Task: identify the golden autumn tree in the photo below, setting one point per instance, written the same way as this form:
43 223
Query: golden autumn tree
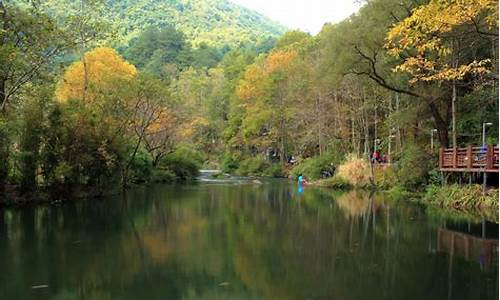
444 41
102 99
105 73
434 40
265 96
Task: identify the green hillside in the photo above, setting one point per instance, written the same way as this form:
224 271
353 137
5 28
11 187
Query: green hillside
214 22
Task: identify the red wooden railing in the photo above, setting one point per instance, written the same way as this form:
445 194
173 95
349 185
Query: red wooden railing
470 159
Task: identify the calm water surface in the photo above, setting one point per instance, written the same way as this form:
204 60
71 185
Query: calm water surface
244 241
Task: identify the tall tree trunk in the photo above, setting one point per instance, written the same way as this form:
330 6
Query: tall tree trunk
454 114
319 124
399 142
416 131
353 135
282 127
375 133
3 96
441 125
336 114
454 64
494 44
365 127
282 142
85 78
83 48
4 139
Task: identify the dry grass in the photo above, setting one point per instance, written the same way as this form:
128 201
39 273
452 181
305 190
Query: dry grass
355 170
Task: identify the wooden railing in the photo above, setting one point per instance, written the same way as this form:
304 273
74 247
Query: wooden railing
470 159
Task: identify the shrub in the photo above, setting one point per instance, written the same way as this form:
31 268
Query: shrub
190 153
229 163
184 163
62 171
314 167
459 196
397 193
274 170
435 177
356 171
141 167
413 167
163 175
384 176
335 182
252 166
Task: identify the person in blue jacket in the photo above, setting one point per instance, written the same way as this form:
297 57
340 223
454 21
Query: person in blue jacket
301 180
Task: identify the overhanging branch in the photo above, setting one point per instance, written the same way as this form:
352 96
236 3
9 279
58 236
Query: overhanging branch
375 76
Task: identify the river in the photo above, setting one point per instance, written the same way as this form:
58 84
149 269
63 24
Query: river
244 240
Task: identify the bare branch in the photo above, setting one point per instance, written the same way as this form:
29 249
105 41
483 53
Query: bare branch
373 74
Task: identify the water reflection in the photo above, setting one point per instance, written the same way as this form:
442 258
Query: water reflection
268 241
481 250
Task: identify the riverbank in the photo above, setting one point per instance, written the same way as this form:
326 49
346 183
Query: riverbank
466 200
410 180
463 203
14 196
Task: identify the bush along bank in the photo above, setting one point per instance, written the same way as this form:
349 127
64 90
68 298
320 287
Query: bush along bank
251 166
468 197
411 177
181 165
353 173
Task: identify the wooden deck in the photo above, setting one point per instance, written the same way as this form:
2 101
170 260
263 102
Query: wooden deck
470 159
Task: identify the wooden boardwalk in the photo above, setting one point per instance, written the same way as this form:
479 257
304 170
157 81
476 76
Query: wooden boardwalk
470 159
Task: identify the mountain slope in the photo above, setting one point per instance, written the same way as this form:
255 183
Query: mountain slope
214 22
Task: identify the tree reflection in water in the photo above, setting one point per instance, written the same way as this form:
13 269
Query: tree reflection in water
236 242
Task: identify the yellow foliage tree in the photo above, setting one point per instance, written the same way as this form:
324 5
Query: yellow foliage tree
264 94
427 40
102 71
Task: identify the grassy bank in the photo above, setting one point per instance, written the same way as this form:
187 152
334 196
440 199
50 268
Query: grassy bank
462 197
409 180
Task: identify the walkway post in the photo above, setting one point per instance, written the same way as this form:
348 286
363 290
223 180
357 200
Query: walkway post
389 158
483 145
484 132
432 139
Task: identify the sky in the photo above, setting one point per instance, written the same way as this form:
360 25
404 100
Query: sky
306 15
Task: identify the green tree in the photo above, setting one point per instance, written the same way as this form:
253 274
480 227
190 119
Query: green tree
31 137
157 49
29 41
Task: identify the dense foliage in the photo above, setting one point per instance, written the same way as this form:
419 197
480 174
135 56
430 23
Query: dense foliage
216 23
459 197
95 93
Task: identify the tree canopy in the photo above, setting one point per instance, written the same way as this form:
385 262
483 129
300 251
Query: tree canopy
104 92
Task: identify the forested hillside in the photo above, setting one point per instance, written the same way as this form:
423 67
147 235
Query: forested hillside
396 77
214 22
